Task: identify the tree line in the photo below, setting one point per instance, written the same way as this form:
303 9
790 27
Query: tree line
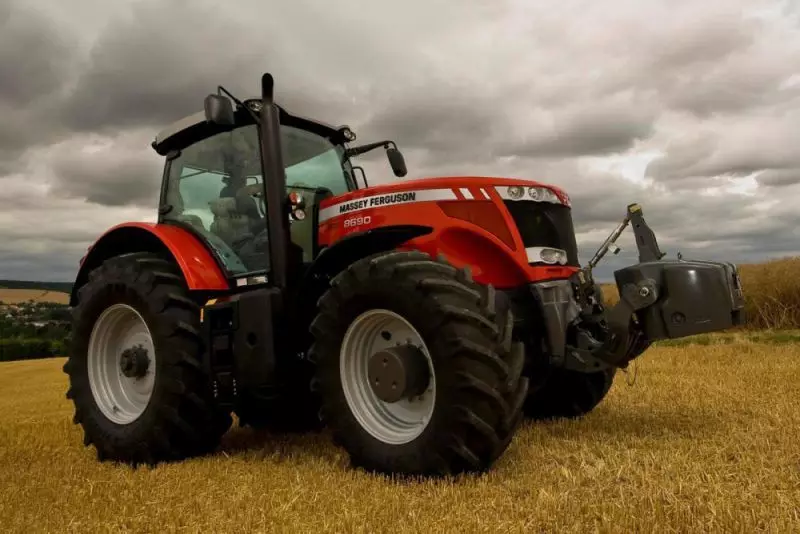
33 330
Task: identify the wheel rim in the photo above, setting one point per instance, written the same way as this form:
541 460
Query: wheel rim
392 423
121 398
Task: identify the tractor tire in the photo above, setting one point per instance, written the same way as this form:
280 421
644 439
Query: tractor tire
141 407
562 393
568 394
468 401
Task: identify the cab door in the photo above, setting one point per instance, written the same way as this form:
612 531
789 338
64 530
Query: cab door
215 191
209 186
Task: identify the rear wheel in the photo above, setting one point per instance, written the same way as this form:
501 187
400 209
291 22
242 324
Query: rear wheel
135 378
416 370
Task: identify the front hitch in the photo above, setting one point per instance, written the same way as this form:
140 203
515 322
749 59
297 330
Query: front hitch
661 299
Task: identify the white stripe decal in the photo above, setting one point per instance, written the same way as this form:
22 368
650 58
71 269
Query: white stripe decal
467 193
394 198
484 193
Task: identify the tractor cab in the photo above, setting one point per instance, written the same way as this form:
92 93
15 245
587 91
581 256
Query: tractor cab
214 183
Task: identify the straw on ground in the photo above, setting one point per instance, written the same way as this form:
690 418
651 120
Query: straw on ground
706 440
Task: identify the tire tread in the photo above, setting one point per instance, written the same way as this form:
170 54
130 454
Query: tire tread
185 420
469 324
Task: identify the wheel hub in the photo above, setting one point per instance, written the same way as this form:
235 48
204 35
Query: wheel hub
122 363
399 372
134 362
390 415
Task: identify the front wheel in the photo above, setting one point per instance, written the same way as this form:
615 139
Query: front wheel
416 369
568 394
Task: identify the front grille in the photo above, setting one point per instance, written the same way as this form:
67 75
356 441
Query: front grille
543 224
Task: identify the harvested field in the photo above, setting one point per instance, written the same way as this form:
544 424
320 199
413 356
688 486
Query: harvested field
704 441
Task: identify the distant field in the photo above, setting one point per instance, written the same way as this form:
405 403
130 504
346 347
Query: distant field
16 296
704 441
63 287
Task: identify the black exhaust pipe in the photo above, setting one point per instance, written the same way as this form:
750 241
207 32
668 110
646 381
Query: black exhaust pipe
274 183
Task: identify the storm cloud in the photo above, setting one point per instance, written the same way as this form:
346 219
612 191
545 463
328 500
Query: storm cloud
691 109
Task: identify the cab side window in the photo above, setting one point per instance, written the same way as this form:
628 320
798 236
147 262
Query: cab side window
205 190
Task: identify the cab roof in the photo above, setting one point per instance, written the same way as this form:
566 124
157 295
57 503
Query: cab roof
195 127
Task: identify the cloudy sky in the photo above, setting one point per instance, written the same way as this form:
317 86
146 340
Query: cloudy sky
691 108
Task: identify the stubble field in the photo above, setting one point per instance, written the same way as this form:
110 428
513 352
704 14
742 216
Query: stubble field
706 440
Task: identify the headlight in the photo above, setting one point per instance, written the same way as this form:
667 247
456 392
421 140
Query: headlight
534 193
548 255
542 194
516 192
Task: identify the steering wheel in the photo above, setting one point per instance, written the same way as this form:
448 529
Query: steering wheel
256 191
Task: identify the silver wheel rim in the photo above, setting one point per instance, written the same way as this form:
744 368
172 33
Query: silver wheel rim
122 399
392 423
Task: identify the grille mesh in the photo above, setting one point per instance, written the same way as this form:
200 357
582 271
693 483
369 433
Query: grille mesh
543 224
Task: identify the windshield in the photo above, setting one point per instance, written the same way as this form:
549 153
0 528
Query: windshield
313 161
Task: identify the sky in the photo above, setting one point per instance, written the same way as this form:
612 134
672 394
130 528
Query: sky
691 109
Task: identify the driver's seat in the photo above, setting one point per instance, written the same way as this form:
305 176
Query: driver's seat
175 199
229 224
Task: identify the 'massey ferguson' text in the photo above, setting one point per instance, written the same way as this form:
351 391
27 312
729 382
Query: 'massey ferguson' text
383 200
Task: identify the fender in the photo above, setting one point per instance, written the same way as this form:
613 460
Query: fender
336 257
341 253
489 262
199 267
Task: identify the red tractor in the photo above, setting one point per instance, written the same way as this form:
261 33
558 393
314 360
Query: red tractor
420 321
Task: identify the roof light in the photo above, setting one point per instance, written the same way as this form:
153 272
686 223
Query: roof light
254 104
348 134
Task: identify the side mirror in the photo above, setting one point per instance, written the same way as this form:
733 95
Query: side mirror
219 110
397 162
